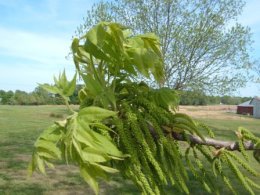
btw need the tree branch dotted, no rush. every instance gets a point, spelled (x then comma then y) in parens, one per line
(229, 145)
(194, 139)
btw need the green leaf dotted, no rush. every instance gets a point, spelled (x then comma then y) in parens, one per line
(32, 165)
(165, 97)
(97, 34)
(184, 121)
(85, 172)
(50, 165)
(105, 145)
(83, 55)
(46, 154)
(117, 33)
(40, 164)
(93, 87)
(84, 135)
(61, 124)
(77, 146)
(101, 126)
(62, 86)
(106, 38)
(92, 155)
(137, 58)
(257, 152)
(49, 88)
(62, 80)
(92, 114)
(70, 87)
(48, 146)
(82, 94)
(105, 168)
(152, 41)
(52, 133)
(75, 45)
(96, 52)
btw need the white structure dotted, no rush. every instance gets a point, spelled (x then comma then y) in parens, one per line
(256, 103)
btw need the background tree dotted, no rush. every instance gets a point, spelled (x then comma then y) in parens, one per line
(257, 71)
(41, 96)
(22, 98)
(203, 46)
(38, 97)
(6, 96)
(193, 98)
(199, 98)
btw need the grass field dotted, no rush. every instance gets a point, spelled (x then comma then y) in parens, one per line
(20, 126)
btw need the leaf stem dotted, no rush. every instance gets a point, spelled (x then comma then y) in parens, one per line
(68, 106)
(94, 70)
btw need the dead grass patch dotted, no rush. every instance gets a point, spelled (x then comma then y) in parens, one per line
(215, 112)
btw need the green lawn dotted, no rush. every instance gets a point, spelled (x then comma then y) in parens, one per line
(225, 128)
(19, 128)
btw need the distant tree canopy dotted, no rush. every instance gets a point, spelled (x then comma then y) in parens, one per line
(200, 98)
(41, 97)
(5, 96)
(38, 97)
(203, 46)
(257, 71)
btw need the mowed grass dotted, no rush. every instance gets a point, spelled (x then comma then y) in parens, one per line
(21, 125)
(19, 128)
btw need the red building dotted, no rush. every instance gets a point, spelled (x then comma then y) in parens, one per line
(245, 108)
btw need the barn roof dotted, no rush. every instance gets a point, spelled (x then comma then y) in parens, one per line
(256, 98)
(246, 104)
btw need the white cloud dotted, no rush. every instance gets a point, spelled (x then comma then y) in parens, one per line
(35, 38)
(30, 58)
(25, 77)
(41, 48)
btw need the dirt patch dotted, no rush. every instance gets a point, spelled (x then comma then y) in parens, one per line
(3, 164)
(23, 157)
(214, 112)
(54, 182)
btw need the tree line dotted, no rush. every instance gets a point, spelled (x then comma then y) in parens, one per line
(200, 98)
(40, 96)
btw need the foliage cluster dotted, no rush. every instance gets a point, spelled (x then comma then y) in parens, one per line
(125, 125)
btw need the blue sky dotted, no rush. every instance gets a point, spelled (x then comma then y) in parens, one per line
(36, 36)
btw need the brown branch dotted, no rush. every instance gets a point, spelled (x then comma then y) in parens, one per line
(194, 139)
(229, 145)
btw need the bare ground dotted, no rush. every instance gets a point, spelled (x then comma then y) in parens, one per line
(213, 112)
